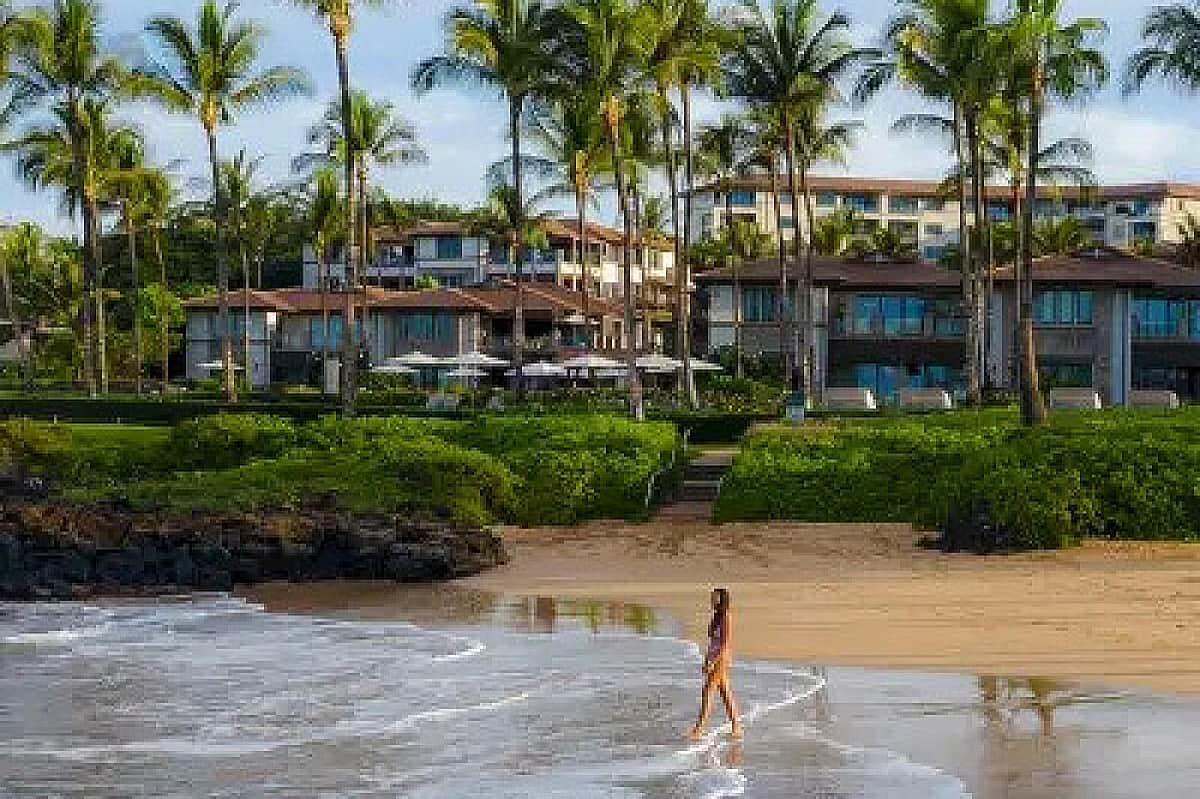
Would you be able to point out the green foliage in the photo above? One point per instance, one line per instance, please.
(226, 440)
(1120, 474)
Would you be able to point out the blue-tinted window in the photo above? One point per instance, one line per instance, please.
(1095, 225)
(316, 327)
(1062, 308)
(933, 204)
(1141, 207)
(863, 203)
(743, 198)
(902, 205)
(934, 229)
(449, 247)
(758, 303)
(998, 212)
(1157, 317)
(1144, 230)
(786, 222)
(826, 199)
(889, 315)
(934, 253)
(444, 327)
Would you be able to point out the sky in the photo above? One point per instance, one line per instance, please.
(1149, 137)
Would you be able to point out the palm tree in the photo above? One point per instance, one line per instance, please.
(613, 38)
(937, 48)
(683, 52)
(64, 63)
(508, 46)
(722, 151)
(339, 16)
(210, 72)
(572, 156)
(136, 189)
(1050, 58)
(1171, 33)
(239, 174)
(325, 209)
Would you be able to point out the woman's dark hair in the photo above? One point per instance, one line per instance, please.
(722, 600)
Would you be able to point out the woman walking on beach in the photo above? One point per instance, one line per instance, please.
(717, 661)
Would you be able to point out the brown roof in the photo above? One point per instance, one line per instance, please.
(933, 188)
(1101, 268)
(566, 228)
(500, 299)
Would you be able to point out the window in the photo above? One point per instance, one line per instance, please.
(826, 199)
(1141, 207)
(449, 247)
(316, 326)
(743, 198)
(785, 199)
(1144, 230)
(863, 203)
(758, 303)
(902, 205)
(933, 204)
(444, 327)
(1158, 317)
(1056, 374)
(998, 212)
(786, 222)
(935, 230)
(904, 229)
(934, 253)
(947, 318)
(864, 227)
(889, 315)
(885, 379)
(1063, 308)
(1095, 225)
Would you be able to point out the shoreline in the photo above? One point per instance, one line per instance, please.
(1118, 615)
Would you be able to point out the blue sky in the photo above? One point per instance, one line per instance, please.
(1148, 137)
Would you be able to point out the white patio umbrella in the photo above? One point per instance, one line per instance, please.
(393, 369)
(466, 374)
(699, 365)
(658, 364)
(540, 369)
(477, 360)
(589, 362)
(416, 359)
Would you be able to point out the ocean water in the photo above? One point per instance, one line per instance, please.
(216, 696)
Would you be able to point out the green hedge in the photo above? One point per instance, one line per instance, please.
(1117, 474)
(525, 469)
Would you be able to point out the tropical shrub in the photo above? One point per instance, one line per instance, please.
(229, 439)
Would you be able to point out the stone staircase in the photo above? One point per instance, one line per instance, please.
(700, 487)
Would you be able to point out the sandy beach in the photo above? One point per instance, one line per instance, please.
(1122, 615)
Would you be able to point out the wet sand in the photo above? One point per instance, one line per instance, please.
(1122, 615)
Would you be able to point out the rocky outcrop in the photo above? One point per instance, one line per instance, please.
(61, 551)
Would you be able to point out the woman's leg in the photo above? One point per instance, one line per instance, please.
(730, 704)
(710, 684)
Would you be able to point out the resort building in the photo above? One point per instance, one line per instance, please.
(288, 339)
(1103, 320)
(920, 213)
(452, 255)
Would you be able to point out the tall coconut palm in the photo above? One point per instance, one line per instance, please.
(790, 57)
(210, 71)
(135, 189)
(1172, 34)
(722, 150)
(613, 42)
(1052, 59)
(63, 63)
(934, 47)
(239, 175)
(682, 53)
(571, 155)
(324, 227)
(509, 46)
(339, 16)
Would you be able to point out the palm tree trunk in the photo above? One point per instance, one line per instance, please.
(246, 311)
(789, 146)
(978, 304)
(739, 367)
(163, 327)
(640, 256)
(515, 104)
(1017, 372)
(89, 246)
(986, 290)
(101, 331)
(685, 270)
(323, 288)
(349, 374)
(364, 247)
(810, 384)
(635, 389)
(134, 309)
(970, 362)
(581, 259)
(1033, 409)
(681, 343)
(222, 272)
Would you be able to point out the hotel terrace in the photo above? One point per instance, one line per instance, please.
(921, 213)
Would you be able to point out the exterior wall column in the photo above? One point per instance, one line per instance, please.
(1120, 349)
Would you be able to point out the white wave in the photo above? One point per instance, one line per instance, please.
(736, 788)
(437, 714)
(474, 648)
(57, 637)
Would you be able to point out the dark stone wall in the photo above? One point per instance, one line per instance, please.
(50, 551)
